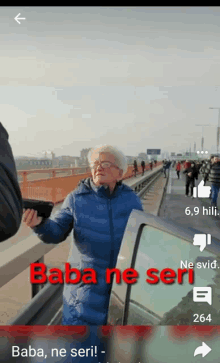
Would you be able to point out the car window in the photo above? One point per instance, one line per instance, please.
(152, 302)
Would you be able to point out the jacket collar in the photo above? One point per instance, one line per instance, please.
(103, 190)
(95, 188)
(87, 186)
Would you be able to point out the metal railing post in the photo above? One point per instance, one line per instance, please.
(24, 184)
(37, 287)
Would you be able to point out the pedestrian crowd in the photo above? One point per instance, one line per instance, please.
(209, 170)
(143, 166)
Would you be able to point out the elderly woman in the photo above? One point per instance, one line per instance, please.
(97, 211)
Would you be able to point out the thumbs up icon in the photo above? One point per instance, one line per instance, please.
(203, 191)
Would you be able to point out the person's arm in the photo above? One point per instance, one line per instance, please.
(203, 167)
(195, 174)
(57, 228)
(10, 194)
(136, 202)
(206, 172)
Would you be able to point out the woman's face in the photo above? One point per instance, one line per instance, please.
(105, 175)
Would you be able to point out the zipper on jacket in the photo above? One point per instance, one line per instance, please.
(111, 231)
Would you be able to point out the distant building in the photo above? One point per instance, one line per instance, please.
(83, 156)
(55, 163)
(130, 159)
(165, 155)
(26, 163)
(143, 156)
(84, 152)
(67, 158)
(66, 161)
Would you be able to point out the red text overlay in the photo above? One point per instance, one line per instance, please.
(38, 275)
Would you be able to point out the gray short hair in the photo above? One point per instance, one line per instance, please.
(120, 158)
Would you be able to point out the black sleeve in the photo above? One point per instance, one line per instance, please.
(10, 194)
(195, 174)
(207, 171)
(202, 168)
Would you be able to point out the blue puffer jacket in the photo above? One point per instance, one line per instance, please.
(99, 220)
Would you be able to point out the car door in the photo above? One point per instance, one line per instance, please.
(150, 242)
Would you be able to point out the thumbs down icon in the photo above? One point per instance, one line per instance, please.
(202, 240)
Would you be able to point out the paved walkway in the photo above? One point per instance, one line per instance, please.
(175, 203)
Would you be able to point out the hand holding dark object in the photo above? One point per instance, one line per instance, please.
(10, 194)
(31, 219)
(42, 207)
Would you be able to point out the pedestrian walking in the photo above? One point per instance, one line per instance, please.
(135, 168)
(143, 166)
(186, 164)
(205, 168)
(166, 166)
(191, 174)
(212, 173)
(178, 168)
(151, 165)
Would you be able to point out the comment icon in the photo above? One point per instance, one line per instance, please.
(202, 294)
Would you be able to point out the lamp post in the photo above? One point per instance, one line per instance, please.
(49, 152)
(202, 140)
(218, 127)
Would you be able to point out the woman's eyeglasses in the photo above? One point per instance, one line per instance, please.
(104, 165)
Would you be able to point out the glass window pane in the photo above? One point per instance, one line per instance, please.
(160, 250)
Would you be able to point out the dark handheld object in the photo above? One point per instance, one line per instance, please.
(43, 208)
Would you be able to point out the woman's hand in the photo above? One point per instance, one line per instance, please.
(30, 218)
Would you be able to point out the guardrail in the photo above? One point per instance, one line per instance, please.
(144, 187)
(55, 188)
(19, 257)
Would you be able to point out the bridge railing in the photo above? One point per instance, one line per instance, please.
(57, 186)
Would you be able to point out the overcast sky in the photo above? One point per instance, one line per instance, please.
(136, 78)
